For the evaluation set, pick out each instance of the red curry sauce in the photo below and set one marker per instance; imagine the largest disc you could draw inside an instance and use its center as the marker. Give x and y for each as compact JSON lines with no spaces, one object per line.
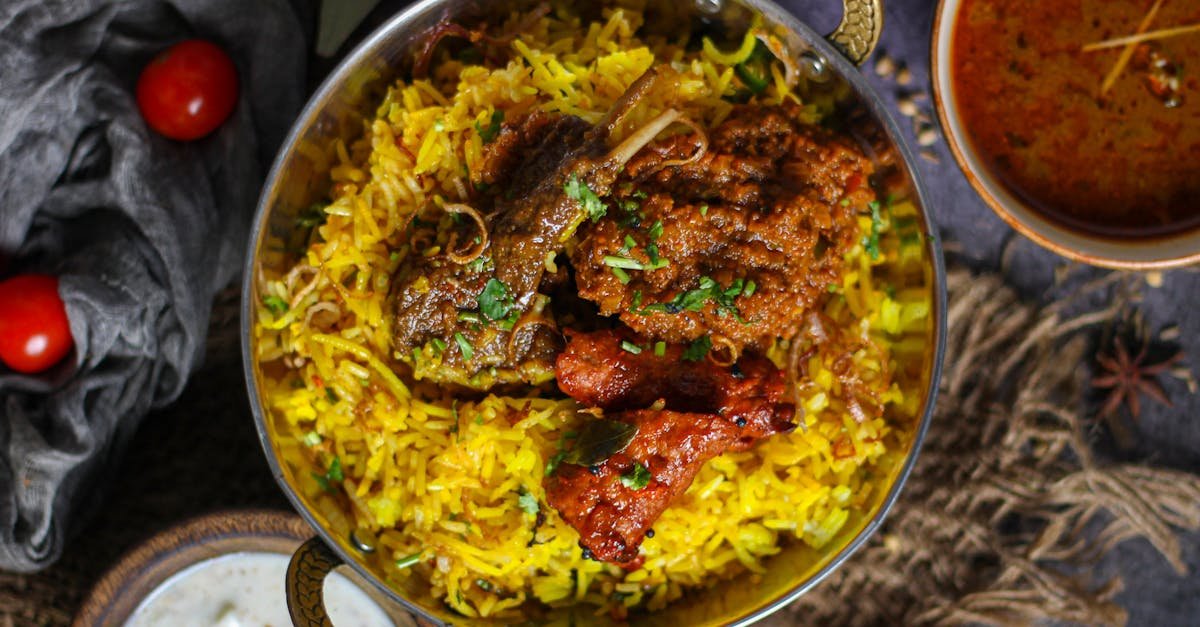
{"x":1126,"y":164}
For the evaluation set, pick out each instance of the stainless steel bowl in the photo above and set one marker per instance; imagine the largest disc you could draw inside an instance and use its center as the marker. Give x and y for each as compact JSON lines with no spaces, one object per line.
{"x":299,"y":178}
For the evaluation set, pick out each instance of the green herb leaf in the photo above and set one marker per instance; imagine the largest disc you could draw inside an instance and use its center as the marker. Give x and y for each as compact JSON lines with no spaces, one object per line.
{"x":488,"y":134}
{"x":870,"y":242}
{"x":660,"y":349}
{"x":312,"y":438}
{"x":479,"y":263}
{"x":704,"y":210}
{"x":629,"y":244}
{"x":438,"y":345}
{"x":621,"y":275}
{"x":695,"y":300}
{"x":698,"y":348}
{"x":408,"y":560}
{"x":656,"y":230}
{"x":630,"y":347}
{"x":750,"y":288}
{"x":623,"y":262}
{"x":554,"y":461}
{"x":277,"y":305}
{"x":578,"y":191}
{"x":331,"y":396}
{"x":464,"y":346}
{"x":528,"y":503}
{"x":335,"y":470}
{"x":494,"y":301}
{"x":637,"y":477}
{"x":600,"y":439}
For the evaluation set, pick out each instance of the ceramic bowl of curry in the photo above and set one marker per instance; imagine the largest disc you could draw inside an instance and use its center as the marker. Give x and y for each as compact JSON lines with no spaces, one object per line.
{"x":1075,"y":122}
{"x":913,"y":308}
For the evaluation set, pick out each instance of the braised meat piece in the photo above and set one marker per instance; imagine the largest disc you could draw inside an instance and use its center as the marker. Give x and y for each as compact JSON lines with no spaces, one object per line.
{"x":596,"y":371}
{"x":739,"y":243}
{"x":546,"y":169}
{"x":612,"y":515}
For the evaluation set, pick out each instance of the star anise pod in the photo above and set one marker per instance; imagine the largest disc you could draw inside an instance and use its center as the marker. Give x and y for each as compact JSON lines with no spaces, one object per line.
{"x":1128,"y":377}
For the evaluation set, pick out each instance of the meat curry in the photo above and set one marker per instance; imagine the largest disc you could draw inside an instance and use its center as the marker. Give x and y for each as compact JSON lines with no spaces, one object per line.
{"x":1123,"y":162}
{"x":682,"y":257}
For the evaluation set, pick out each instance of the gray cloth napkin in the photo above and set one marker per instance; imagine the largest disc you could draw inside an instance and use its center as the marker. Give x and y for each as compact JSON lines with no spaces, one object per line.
{"x":142,"y":230}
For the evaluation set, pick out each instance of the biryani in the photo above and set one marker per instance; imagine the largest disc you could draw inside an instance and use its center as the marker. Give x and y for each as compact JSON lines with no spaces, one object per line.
{"x":595,"y":318}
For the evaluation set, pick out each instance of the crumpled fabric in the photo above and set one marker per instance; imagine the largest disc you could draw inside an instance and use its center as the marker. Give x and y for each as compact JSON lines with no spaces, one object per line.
{"x":142,"y":230}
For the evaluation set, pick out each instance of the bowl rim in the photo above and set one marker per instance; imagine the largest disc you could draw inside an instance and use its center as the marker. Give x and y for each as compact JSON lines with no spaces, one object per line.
{"x":1136,"y":254}
{"x":847,"y":71}
{"x":192,"y":535}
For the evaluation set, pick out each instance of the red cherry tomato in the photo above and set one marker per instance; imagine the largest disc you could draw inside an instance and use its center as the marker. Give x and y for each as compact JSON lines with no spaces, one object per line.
{"x":188,"y":90}
{"x":34,"y":332}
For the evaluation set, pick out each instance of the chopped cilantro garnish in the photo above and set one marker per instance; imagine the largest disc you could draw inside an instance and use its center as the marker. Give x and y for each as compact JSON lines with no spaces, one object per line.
{"x":621,"y":275}
{"x":484,"y":585}
{"x":469,"y":316}
{"x":577,"y":190}
{"x":554,"y":462}
{"x":494,"y":301}
{"x":655,"y":260}
{"x":698,"y":348}
{"x":277,"y":305}
{"x":331,"y":396}
{"x":660,"y":349}
{"x":636,"y":478}
{"x":626,"y":263}
{"x":751,"y":286}
{"x":709,"y":290}
{"x":704,"y":210}
{"x":335,"y":470}
{"x":488,"y":134}
{"x":464,"y":346}
{"x":479,"y":263}
{"x":312,"y":438}
{"x":438,"y":345}
{"x":408,"y":560}
{"x":630,"y":347}
{"x":528,"y":503}
{"x":656,"y":230}
{"x":870,"y":242}
{"x":333,"y":474}
{"x":637,"y":300}
{"x":630,"y":243}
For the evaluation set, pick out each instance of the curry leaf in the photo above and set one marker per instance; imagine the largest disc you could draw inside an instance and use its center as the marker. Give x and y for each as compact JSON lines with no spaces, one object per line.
{"x":599,"y":440}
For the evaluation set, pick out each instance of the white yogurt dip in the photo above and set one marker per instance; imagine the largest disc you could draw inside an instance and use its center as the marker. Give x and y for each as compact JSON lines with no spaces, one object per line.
{"x":244,"y":590}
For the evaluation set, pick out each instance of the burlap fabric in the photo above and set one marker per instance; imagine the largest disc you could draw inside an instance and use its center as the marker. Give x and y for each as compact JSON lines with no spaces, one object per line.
{"x":999,"y":523}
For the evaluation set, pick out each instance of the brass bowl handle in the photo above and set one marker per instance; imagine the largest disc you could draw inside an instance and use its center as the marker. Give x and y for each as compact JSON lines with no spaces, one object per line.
{"x":305,"y":584}
{"x":858,"y":34}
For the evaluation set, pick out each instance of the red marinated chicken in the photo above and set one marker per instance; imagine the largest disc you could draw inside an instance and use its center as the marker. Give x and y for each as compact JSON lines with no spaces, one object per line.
{"x":611,"y":515}
{"x":597,"y":372}
{"x":708,"y":409}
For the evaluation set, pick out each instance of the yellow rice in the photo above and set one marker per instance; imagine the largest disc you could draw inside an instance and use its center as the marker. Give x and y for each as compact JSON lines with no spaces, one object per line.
{"x":437,"y":482}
